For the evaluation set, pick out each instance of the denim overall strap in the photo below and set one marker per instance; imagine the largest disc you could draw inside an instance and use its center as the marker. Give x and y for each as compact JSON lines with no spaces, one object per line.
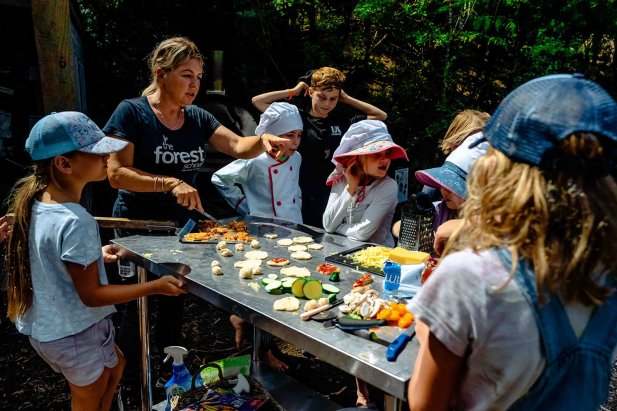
{"x":576,"y":373}
{"x":552,"y":321}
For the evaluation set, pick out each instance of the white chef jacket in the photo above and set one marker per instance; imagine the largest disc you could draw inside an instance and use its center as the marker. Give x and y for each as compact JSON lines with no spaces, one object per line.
{"x":271,"y":187}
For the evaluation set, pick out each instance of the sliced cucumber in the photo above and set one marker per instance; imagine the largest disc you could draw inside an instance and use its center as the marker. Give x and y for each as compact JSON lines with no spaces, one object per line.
{"x":331,"y":298}
{"x":330,"y":289}
{"x":297,"y":287}
{"x":266,"y":281}
{"x":274,"y":287}
{"x":312,"y":289}
{"x":273,"y":276}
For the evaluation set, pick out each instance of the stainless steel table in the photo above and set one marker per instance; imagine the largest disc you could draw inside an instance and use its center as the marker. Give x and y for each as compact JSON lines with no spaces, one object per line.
{"x":354,"y":353}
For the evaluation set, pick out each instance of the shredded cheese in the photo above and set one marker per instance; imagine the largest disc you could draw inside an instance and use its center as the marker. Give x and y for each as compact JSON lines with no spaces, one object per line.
{"x":372,"y":257}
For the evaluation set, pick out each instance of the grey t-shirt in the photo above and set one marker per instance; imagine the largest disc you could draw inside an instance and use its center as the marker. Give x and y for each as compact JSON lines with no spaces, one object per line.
{"x":61,"y":233}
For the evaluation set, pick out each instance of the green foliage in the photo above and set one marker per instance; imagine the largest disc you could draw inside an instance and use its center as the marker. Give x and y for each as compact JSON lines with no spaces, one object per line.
{"x":420,"y":60}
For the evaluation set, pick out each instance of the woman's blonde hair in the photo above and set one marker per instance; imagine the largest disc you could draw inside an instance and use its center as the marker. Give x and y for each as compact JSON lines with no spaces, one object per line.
{"x":466,"y":123}
{"x":21,"y":199}
{"x":167,"y":56}
{"x":564,"y":221}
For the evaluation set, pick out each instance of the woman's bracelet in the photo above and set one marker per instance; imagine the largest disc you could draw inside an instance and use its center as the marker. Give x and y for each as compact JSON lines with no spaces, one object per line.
{"x":156,"y":179}
{"x":175,"y":184}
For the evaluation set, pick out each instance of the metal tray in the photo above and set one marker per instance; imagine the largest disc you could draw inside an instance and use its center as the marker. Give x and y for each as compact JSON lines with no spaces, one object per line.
{"x":343,"y":258}
{"x":191,"y":226}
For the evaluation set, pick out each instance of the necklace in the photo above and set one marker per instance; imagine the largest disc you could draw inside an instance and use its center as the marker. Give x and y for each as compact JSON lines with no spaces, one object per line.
{"x":165,"y":120}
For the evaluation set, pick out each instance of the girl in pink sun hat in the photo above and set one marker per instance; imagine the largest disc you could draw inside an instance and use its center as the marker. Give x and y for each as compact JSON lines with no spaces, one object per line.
{"x":363,"y":198}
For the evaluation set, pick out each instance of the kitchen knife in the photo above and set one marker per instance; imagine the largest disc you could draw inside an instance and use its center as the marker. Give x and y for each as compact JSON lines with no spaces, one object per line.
{"x":305,"y":316}
{"x":350,"y":324}
{"x":396,"y":346}
{"x":208,"y":216}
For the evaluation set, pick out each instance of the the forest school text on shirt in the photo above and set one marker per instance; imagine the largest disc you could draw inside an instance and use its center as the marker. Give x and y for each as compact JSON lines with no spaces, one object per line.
{"x":192,"y":160}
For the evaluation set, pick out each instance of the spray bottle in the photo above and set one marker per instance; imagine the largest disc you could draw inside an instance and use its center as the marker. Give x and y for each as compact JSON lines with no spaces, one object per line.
{"x":181,"y":379}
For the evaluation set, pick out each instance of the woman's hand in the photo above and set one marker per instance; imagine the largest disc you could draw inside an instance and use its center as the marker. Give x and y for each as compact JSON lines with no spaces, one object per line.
{"x":274,"y":144}
{"x":186,"y":195}
{"x":352,"y":179}
{"x":169,"y":285}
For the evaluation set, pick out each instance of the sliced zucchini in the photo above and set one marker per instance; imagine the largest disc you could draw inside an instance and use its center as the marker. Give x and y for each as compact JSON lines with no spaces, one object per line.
{"x":274,"y":287}
{"x":330,"y":289}
{"x":331,"y":298}
{"x":266,"y":281}
{"x":297,"y":287}
{"x":273,"y":276}
{"x":312,"y":289}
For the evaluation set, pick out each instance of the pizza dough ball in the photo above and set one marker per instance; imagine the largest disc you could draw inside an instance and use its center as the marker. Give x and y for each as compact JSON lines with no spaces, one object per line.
{"x":214,"y":263}
{"x":255,"y":244}
{"x":257,"y":270}
{"x":217,"y":270}
{"x":285,"y":242}
{"x":221,"y":245}
{"x":303,"y":240}
{"x":301,"y":255}
{"x":226,"y":252}
{"x":239,"y":247}
{"x":271,"y":236}
{"x":311,"y":305}
{"x":296,"y":247}
{"x":315,"y":246}
{"x":287,"y":304}
{"x":246,"y":272}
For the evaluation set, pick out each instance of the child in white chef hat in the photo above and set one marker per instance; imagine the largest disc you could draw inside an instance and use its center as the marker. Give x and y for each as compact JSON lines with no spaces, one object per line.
{"x":270,"y":188}
{"x":363,"y":198}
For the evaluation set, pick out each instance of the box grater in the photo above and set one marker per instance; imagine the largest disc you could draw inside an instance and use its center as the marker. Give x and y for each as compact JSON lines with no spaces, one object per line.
{"x":417,"y":224}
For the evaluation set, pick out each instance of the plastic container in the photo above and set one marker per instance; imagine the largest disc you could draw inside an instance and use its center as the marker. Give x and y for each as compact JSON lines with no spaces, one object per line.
{"x":393,"y":276}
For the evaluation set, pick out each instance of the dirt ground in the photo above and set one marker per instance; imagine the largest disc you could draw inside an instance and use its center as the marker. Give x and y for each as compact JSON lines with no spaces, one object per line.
{"x":27,"y":383}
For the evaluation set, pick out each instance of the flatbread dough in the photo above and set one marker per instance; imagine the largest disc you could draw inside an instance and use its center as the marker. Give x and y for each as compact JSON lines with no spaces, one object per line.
{"x":296,"y":247}
{"x":287,"y":304}
{"x":315,"y":246}
{"x":303,"y":240}
{"x":294,"y":271}
{"x":255,"y":254}
{"x":285,"y":242}
{"x":281,"y":263}
{"x":301,"y":255}
{"x":271,"y":236}
{"x":248,"y":263}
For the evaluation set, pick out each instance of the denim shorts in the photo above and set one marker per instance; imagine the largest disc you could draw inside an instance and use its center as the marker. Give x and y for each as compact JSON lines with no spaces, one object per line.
{"x":81,"y":357}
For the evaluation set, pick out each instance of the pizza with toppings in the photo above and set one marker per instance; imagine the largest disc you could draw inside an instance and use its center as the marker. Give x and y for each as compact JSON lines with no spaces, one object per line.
{"x":278,"y":262}
{"x":327,"y":269}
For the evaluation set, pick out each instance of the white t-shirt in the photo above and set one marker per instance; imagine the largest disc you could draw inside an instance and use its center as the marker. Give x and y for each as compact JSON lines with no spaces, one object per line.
{"x":61,"y":233}
{"x":371,"y":219}
{"x":470,"y":306}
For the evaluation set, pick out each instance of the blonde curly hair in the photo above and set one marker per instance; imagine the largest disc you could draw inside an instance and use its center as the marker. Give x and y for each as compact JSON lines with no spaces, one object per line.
{"x":563,"y":221}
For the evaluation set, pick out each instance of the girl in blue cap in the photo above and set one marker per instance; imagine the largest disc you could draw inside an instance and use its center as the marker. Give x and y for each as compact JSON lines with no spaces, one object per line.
{"x":58,"y":293}
{"x":522,"y":311}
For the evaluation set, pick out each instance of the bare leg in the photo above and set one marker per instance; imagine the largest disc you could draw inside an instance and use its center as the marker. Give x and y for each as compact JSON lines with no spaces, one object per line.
{"x":98,"y":395}
{"x":269,"y":358}
{"x":238,"y":324}
{"x":362,"y":393}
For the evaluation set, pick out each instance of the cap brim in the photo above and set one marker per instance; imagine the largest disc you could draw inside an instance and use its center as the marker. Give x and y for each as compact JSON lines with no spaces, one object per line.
{"x":106,"y":145}
{"x":442,"y":178}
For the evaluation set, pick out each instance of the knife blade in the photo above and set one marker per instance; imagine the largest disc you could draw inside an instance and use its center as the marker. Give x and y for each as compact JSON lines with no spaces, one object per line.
{"x":305,"y":316}
{"x":208,"y":216}
{"x":350,"y":324}
{"x":396,"y":346}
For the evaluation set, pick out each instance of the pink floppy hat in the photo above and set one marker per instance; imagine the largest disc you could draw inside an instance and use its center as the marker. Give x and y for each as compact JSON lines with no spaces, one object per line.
{"x":367,"y":137}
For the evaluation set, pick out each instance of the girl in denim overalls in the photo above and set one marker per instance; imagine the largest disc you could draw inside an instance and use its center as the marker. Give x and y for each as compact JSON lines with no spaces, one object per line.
{"x":521,"y":313}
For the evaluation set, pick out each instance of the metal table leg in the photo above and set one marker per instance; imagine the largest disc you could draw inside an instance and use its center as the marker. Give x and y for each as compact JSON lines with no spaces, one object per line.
{"x":392,"y":403}
{"x":144,"y":338}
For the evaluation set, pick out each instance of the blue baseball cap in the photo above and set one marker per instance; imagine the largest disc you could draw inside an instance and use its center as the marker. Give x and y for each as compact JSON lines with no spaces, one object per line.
{"x":61,"y":133}
{"x":452,"y":175}
{"x":530,"y":123}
